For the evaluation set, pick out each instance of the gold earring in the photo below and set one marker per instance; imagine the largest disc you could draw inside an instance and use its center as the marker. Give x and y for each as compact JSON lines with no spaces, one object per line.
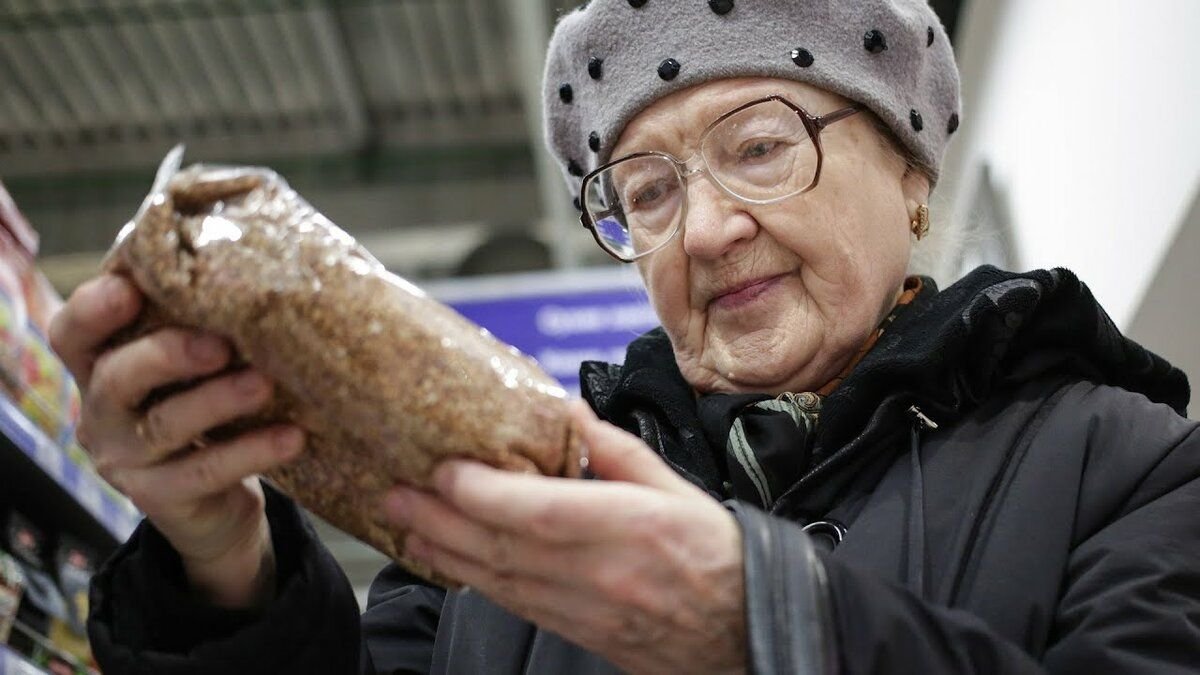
{"x":920,"y":224}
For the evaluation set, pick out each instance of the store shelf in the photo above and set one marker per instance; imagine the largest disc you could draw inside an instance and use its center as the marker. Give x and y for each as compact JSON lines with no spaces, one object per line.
{"x":12,"y":663}
{"x":80,"y":489}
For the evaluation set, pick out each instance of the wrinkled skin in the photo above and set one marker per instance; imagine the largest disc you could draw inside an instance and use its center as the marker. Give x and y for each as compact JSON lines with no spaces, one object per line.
{"x":842,"y":249}
{"x":641,"y":568}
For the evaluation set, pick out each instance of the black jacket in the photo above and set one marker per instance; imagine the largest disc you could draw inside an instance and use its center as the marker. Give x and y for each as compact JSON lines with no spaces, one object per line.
{"x":1050,"y":523}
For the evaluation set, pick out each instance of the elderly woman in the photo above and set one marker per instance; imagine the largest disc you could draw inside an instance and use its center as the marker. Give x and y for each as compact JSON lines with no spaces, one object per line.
{"x":818,"y":464}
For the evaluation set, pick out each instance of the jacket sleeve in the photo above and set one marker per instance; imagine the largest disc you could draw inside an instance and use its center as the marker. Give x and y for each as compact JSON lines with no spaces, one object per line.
{"x":144,"y":620}
{"x":1131,"y":598}
{"x":401,"y":622}
{"x":1131,"y":602}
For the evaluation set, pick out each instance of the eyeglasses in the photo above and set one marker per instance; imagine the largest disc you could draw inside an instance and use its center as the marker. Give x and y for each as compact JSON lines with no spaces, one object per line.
{"x":762,"y":152}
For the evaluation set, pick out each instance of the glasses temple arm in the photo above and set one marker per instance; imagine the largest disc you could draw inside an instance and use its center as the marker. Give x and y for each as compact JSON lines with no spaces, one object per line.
{"x":836,"y":116}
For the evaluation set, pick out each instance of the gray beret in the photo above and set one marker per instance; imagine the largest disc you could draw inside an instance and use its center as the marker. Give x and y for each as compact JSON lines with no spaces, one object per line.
{"x":611,"y":59}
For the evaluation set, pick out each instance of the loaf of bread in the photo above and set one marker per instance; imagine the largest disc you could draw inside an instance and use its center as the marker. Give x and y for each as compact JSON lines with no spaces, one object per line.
{"x":385,"y":381}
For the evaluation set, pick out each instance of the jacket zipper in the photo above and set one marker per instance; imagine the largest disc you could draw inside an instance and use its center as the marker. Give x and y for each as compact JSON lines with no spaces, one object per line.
{"x":921,"y":419}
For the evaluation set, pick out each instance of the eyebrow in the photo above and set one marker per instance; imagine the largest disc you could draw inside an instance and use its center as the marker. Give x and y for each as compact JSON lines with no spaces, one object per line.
{"x":711,"y":109}
{"x":643,"y":142}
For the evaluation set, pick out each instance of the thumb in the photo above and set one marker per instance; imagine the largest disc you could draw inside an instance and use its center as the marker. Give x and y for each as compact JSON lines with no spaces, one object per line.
{"x":615,"y":454}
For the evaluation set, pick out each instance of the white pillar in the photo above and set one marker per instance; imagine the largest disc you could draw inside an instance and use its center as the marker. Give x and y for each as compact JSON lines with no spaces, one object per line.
{"x":530,"y":36}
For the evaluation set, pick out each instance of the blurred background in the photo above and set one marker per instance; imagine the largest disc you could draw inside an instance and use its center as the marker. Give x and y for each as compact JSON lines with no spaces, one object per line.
{"x":414,"y":124}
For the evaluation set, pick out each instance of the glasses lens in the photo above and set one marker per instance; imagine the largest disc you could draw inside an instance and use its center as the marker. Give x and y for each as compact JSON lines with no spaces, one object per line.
{"x":634,"y":205}
{"x":763,"y":152}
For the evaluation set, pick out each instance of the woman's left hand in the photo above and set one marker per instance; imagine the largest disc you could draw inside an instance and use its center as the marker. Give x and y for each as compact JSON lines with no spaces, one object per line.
{"x":642,"y":568}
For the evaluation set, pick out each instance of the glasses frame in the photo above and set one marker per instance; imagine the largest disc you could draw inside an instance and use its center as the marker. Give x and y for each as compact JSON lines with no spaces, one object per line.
{"x":813,"y":124}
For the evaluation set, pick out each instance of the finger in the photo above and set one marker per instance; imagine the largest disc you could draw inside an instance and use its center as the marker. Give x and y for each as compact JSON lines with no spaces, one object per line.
{"x":617,"y":455}
{"x":503,"y":551}
{"x":465,"y":571}
{"x":518,"y":592}
{"x":180,"y":419}
{"x":507,"y":553}
{"x":426,"y":515}
{"x":212,"y":469}
{"x":575,"y":612}
{"x":96,"y":310}
{"x":555,"y":510}
{"x":126,"y":375}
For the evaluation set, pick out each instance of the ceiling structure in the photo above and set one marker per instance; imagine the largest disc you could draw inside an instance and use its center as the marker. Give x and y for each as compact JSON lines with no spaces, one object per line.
{"x":338,"y":96}
{"x":366,"y":106}
{"x":98,"y":85}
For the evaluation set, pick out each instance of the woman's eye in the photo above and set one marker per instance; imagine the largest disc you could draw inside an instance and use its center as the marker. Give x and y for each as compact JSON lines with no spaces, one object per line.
{"x":757,"y":149}
{"x":648,"y":195}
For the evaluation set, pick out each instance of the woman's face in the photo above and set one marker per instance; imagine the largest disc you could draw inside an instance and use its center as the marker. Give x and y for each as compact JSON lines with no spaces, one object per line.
{"x":778,"y":297}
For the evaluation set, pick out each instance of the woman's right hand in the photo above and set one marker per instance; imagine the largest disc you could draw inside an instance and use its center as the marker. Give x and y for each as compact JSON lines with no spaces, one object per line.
{"x":206,"y":501}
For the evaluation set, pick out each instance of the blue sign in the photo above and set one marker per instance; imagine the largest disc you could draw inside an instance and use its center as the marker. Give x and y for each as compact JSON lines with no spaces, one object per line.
{"x":560,"y":319}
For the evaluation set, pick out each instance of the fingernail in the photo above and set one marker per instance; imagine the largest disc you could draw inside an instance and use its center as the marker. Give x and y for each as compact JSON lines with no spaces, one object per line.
{"x":450,"y":470}
{"x":206,"y":348}
{"x":396,"y":506}
{"x":441,"y":477}
{"x":289,"y":441}
{"x":250,"y":383}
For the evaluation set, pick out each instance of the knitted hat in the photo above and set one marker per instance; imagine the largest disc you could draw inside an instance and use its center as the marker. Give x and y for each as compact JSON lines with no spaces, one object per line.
{"x":611,"y":59}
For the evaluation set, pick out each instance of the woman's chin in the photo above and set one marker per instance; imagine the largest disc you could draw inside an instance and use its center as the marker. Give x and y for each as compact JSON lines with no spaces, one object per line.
{"x":763,"y":370}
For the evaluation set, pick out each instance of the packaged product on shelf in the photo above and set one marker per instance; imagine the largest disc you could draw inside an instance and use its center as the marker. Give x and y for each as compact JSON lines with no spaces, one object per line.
{"x":12,"y":585}
{"x":43,"y":601}
{"x":386,"y":381}
{"x":74,"y":564}
{"x":31,"y":374}
{"x":41,"y":301}
{"x":68,"y":641}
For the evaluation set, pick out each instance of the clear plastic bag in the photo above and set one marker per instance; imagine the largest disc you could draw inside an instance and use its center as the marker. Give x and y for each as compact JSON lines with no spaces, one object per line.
{"x":386,"y":381}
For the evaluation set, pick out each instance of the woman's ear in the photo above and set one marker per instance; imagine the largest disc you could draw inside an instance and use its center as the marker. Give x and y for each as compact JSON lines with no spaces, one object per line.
{"x":915,"y":186}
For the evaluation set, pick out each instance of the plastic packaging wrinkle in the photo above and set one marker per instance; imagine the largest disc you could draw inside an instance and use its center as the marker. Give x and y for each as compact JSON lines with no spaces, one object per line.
{"x":385,"y":381}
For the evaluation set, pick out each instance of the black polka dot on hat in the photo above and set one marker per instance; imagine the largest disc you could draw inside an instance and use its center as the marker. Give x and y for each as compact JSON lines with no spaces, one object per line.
{"x":915,"y":118}
{"x":566,"y":93}
{"x":668,"y":69}
{"x":574,"y":169}
{"x":594,"y":141}
{"x":953,"y":125}
{"x":578,"y":206}
{"x":929,"y":37}
{"x":802,"y":57}
{"x":637,"y":4}
{"x":721,"y":7}
{"x":596,"y":67}
{"x":874,"y":41}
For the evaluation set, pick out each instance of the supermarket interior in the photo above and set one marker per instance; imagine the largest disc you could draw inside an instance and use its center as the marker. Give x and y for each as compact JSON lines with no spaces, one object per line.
{"x":415,"y":126}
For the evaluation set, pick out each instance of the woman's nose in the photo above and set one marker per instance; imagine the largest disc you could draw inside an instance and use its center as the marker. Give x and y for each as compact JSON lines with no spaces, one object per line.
{"x":714,"y":223}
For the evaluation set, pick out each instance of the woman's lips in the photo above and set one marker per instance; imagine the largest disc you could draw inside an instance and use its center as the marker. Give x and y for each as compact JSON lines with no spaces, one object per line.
{"x":744,"y":294}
